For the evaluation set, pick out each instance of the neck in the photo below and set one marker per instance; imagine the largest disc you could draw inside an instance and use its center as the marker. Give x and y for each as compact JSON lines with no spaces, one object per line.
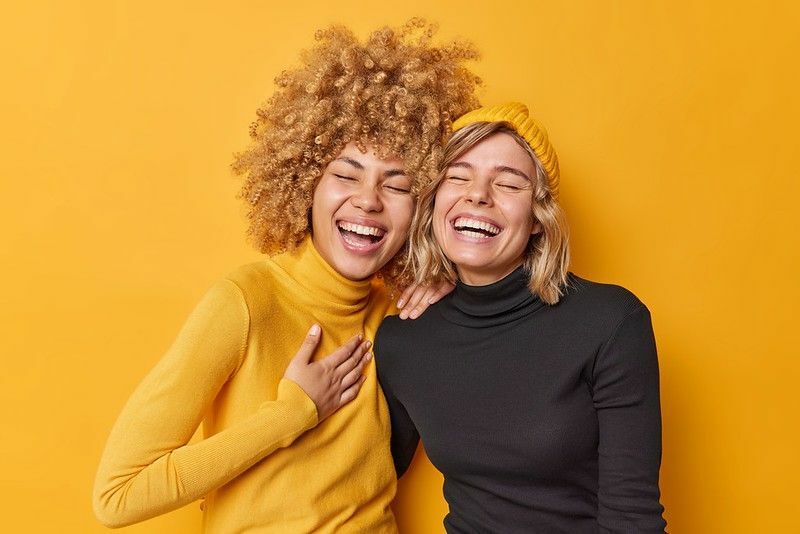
{"x":500,"y":302}
{"x":322,"y":283}
{"x":483,"y":277}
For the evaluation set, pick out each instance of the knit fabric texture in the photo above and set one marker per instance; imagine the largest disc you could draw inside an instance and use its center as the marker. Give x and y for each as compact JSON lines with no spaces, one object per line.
{"x":518,"y":116}
{"x":264,"y":464}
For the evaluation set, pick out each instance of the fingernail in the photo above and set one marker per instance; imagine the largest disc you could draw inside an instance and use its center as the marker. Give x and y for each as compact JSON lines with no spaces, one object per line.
{"x":369,"y":344}
{"x":314,"y":330}
{"x":369,"y":356}
{"x":401,"y":303}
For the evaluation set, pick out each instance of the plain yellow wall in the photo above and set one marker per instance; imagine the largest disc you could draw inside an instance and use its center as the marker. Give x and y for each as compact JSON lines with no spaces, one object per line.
{"x":677,"y":127}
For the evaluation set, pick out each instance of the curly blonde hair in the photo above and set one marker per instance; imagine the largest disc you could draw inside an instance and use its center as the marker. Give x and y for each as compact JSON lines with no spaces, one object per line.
{"x":397,"y":92}
{"x":547,"y":255}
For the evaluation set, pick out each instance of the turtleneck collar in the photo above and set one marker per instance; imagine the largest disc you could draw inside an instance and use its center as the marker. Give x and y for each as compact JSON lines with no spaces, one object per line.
{"x":322,"y":283}
{"x":501,"y":302}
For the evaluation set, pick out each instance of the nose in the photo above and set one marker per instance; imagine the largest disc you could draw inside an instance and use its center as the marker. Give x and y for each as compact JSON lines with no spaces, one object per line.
{"x":366,"y":198}
{"x":478,"y":193}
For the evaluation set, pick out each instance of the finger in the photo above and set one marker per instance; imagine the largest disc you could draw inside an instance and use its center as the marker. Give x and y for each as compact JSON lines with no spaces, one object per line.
{"x":424,"y":303}
{"x":309,"y":345}
{"x":351,"y":392}
{"x":405,"y":296}
{"x":445,"y":288}
{"x":413,"y":300}
{"x":335,"y":358}
{"x":352,"y":377}
{"x":350,"y":363}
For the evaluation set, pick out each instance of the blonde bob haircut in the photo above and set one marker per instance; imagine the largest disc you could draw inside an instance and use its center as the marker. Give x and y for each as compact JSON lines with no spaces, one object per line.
{"x":547,"y":255}
{"x":397,"y":92}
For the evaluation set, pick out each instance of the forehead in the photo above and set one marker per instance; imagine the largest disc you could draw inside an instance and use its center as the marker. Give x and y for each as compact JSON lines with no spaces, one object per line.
{"x":369,"y":159}
{"x":498,"y":150}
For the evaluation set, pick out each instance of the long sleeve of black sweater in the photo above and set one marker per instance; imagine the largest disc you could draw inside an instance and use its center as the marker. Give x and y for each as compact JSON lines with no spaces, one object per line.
{"x":541,"y":418}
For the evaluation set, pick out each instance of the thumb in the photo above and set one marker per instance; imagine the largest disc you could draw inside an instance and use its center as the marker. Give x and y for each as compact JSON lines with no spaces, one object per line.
{"x":309,"y":345}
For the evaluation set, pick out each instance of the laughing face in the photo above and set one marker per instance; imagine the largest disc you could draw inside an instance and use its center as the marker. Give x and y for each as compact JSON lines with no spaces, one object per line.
{"x":482,"y":215}
{"x":361,"y":212}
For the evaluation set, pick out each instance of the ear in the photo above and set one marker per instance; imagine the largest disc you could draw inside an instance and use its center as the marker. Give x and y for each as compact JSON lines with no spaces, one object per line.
{"x":537,"y":228}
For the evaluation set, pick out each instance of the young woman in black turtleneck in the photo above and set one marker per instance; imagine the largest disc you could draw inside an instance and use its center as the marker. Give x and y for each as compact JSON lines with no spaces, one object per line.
{"x":535,"y":391}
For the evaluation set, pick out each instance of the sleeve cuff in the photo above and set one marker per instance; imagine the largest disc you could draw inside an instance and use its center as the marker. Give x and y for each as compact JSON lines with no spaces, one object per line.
{"x":293,"y":394}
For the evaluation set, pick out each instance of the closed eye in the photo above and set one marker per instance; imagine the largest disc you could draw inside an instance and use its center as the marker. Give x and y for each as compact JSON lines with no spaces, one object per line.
{"x":456,"y":179}
{"x":397,"y":189}
{"x":510,"y":187}
{"x":343,"y":177}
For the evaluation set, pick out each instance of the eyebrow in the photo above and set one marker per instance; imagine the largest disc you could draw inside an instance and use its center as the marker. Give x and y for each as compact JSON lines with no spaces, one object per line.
{"x":388,"y":173}
{"x":498,"y":168}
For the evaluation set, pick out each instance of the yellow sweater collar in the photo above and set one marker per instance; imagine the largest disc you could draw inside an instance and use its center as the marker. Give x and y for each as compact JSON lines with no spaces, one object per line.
{"x":321,"y":281}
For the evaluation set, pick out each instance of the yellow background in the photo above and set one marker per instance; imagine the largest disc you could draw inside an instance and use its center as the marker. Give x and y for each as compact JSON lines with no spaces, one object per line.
{"x":677,"y":128}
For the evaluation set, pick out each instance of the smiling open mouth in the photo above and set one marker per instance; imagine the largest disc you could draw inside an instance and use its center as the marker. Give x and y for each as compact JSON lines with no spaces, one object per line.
{"x":360,"y":236}
{"x":475,"y":228}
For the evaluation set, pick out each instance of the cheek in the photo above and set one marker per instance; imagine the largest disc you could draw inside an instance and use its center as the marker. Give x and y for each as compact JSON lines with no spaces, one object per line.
{"x":320,"y":212}
{"x":317,"y":211}
{"x":518,"y":213}
{"x":327,"y":199}
{"x":438,"y":217}
{"x":401,"y":213}
{"x":443,"y":202}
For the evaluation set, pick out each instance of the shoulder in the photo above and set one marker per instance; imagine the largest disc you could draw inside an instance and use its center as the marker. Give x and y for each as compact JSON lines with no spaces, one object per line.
{"x":395,"y":336}
{"x":250,"y":276}
{"x":389,"y":332}
{"x":393,"y":329}
{"x":229,"y":299}
{"x":600,"y":297}
{"x":598,"y":307}
{"x":381,"y":302}
{"x":392,"y":339}
{"x":257,"y":282}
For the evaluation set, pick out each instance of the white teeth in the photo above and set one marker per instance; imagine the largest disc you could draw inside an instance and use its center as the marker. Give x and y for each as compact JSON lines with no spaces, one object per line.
{"x":470,"y":234}
{"x":464,"y":222}
{"x":359,"y":229}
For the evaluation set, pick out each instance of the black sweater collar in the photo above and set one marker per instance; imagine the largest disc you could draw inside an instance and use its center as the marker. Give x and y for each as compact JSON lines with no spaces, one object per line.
{"x":501,"y":302}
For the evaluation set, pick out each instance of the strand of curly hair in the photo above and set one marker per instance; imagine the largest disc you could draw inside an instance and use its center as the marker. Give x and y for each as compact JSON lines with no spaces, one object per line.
{"x":398,"y":92}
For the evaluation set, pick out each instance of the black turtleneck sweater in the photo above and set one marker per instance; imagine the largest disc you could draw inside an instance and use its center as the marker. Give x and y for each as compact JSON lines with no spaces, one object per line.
{"x":541,"y":418}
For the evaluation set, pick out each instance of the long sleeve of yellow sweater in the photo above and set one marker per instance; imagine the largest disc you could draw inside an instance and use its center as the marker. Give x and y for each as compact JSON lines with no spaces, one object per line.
{"x":148,"y":468}
{"x":265,"y":464}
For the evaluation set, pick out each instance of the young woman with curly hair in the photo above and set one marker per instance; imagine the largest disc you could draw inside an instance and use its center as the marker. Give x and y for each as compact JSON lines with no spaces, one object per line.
{"x":298,"y":441}
{"x":534,"y":391}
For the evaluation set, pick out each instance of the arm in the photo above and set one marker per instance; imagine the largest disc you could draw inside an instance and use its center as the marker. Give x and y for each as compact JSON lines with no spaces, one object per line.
{"x":404,"y":434}
{"x":147,"y":467}
{"x":626,"y":397}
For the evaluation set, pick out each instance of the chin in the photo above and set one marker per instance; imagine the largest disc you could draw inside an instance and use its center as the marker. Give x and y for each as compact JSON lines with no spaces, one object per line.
{"x":469,"y":260}
{"x":353,"y":270}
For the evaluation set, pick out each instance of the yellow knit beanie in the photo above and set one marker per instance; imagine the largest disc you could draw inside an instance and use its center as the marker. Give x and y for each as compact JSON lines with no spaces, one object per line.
{"x":517,"y":115}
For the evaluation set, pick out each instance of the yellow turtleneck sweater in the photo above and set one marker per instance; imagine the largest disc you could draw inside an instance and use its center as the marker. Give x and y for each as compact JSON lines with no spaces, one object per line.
{"x":265,"y":464}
